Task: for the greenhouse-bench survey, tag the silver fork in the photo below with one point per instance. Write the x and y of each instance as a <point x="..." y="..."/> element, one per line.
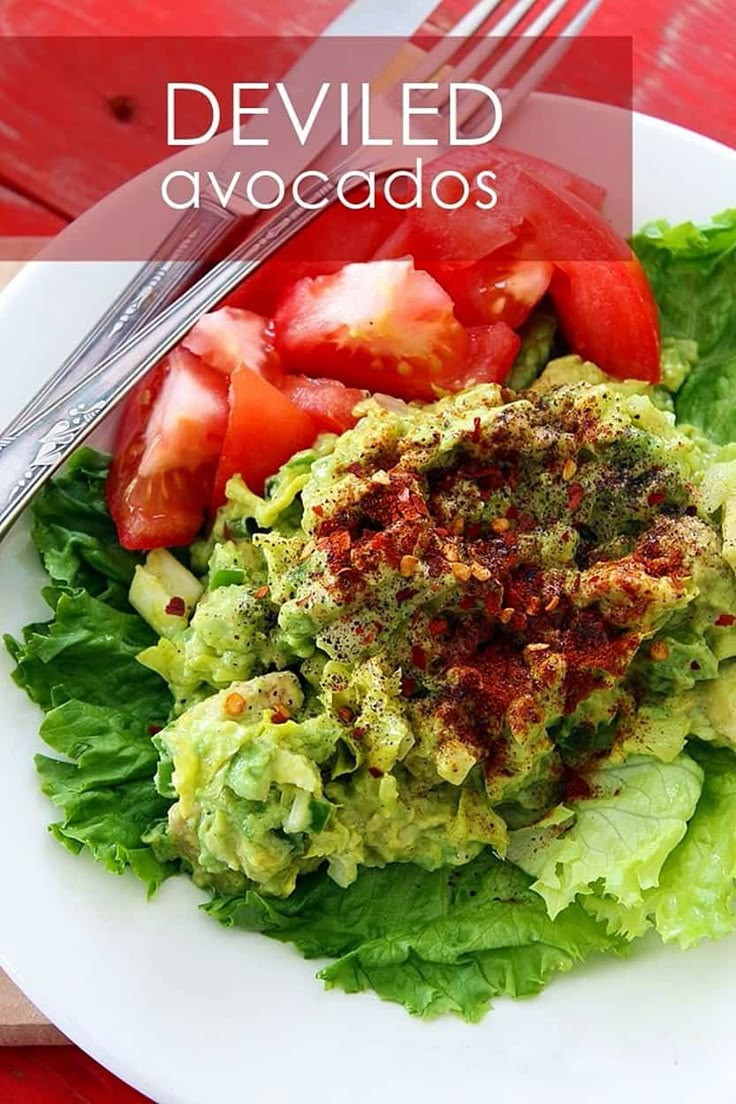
<point x="47" y="435"/>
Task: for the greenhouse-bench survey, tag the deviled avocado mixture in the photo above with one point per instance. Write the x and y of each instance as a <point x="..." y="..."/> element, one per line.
<point x="433" y="628"/>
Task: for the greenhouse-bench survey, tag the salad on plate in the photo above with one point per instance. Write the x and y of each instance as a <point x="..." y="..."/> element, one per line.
<point x="403" y="617"/>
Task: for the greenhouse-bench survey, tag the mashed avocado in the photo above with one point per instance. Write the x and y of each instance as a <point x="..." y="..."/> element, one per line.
<point x="433" y="627"/>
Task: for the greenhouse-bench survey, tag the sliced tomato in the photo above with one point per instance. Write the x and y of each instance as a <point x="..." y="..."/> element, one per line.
<point x="166" y="453"/>
<point x="496" y="289"/>
<point x="229" y="337"/>
<point x="492" y="351"/>
<point x="549" y="220"/>
<point x="554" y="175"/>
<point x="608" y="314"/>
<point x="264" y="429"/>
<point x="382" y="325"/>
<point x="464" y="235"/>
<point x="335" y="238"/>
<point x="328" y="402"/>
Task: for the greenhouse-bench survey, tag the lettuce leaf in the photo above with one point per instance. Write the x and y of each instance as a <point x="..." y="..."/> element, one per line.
<point x="621" y="834"/>
<point x="75" y="535"/>
<point x="81" y="668"/>
<point x="434" y="941"/>
<point x="692" y="270"/>
<point x="696" y="896"/>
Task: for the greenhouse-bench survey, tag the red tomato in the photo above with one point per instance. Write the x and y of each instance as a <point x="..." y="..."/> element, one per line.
<point x="166" y="453"/>
<point x="430" y="233"/>
<point x="264" y="429"/>
<point x="608" y="314"/>
<point x="492" y="351"/>
<point x="550" y="222"/>
<point x="497" y="289"/>
<point x="336" y="237"/>
<point x="228" y="337"/>
<point x="381" y="325"/>
<point x="554" y="175"/>
<point x="328" y="402"/>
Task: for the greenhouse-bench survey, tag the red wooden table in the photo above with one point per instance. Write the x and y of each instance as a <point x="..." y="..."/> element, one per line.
<point x="684" y="71"/>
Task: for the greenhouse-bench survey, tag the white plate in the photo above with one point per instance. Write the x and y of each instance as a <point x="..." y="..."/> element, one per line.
<point x="190" y="1013"/>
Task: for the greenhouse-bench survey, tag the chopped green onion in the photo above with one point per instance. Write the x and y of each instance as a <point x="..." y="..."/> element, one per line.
<point x="226" y="576"/>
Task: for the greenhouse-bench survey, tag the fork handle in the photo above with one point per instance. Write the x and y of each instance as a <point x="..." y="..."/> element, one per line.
<point x="158" y="283"/>
<point x="31" y="453"/>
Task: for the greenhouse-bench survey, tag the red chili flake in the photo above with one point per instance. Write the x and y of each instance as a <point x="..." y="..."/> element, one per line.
<point x="467" y="602"/>
<point x="526" y="523"/>
<point x="176" y="606"/>
<point x="341" y="541"/>
<point x="656" y="498"/>
<point x="575" y="495"/>
<point x="358" y="733"/>
<point x="441" y="531"/>
<point x="408" y="686"/>
<point x="418" y="657"/>
<point x="512" y="513"/>
<point x="519" y="621"/>
<point x="261" y="592"/>
<point x="153" y="730"/>
<point x="404" y="595"/>
<point x="375" y="772"/>
<point x="493" y="603"/>
<point x="280" y="716"/>
<point x="476" y="431"/>
<point x="725" y="619"/>
<point x="346" y="714"/>
<point x="318" y="511"/>
<point x="437" y="626"/>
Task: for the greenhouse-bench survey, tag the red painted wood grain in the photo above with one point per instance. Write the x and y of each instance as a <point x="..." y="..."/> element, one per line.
<point x="59" y="1075"/>
<point x="683" y="50"/>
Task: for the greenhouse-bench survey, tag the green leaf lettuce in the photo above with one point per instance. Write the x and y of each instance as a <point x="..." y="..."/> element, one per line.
<point x="692" y="270"/>
<point x="443" y="941"/>
<point x="81" y="668"/>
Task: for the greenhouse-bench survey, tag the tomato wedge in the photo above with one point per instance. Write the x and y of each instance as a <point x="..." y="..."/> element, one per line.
<point x="608" y="314"/>
<point x="549" y="220"/>
<point x="228" y="337"/>
<point x="166" y="453"/>
<point x="382" y="325"/>
<point x="552" y="174"/>
<point x="328" y="402"/>
<point x="497" y="289"/>
<point x="492" y="351"/>
<point x="336" y="237"/>
<point x="264" y="429"/>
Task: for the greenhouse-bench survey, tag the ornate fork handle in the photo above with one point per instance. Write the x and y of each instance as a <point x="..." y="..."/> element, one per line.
<point x="33" y="450"/>
<point x="157" y="284"/>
